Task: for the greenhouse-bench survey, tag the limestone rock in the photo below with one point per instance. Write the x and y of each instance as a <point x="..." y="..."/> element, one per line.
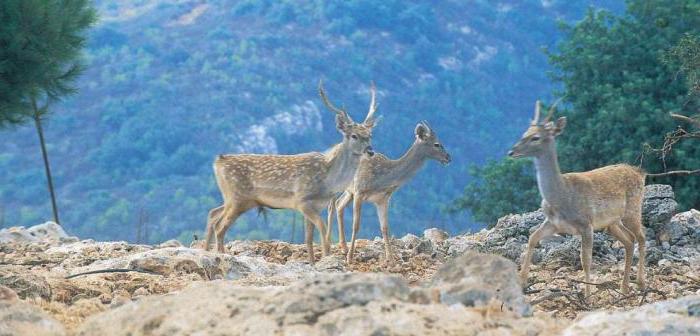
<point x="208" y="265"/>
<point x="435" y="235"/>
<point x="331" y="304"/>
<point x="658" y="191"/>
<point x="409" y="241"/>
<point x="477" y="279"/>
<point x="567" y="251"/>
<point x="684" y="228"/>
<point x="25" y="284"/>
<point x="48" y="232"/>
<point x="658" y="206"/>
<point x="20" y="318"/>
<point x="170" y="243"/>
<point x="674" y="317"/>
<point x="331" y="263"/>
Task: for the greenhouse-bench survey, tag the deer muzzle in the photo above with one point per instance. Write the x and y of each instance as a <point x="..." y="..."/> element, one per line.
<point x="369" y="151"/>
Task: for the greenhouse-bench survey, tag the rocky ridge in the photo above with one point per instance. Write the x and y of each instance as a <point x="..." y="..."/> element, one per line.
<point x="441" y="285"/>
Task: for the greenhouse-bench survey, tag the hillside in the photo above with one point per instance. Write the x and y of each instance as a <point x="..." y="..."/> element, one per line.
<point x="171" y="84"/>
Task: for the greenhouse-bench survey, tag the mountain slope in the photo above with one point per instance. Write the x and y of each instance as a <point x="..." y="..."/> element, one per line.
<point x="171" y="84"/>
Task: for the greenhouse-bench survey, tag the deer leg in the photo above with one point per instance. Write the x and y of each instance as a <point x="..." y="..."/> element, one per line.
<point x="587" y="256"/>
<point x="356" y="214"/>
<point x="228" y="217"/>
<point x="315" y="218"/>
<point x="309" y="232"/>
<point x="545" y="230"/>
<point x="627" y="240"/>
<point x="383" y="213"/>
<point x="340" y="206"/>
<point x="329" y="229"/>
<point x="213" y="219"/>
<point x="642" y="240"/>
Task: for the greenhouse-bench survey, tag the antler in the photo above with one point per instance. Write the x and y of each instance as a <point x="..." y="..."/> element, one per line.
<point x="538" y="106"/>
<point x="329" y="105"/>
<point x="372" y="102"/>
<point x="551" y="110"/>
<point x="425" y="123"/>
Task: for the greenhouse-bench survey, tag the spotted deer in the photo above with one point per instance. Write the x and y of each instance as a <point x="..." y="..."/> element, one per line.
<point x="304" y="182"/>
<point x="376" y="180"/>
<point x="607" y="198"/>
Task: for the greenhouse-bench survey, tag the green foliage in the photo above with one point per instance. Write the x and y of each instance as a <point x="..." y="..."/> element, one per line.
<point x="39" y="60"/>
<point x="685" y="56"/>
<point x="620" y="92"/>
<point x="492" y="196"/>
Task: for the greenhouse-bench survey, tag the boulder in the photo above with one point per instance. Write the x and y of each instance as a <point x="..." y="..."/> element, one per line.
<point x="218" y="306"/>
<point x="409" y="241"/>
<point x="48" y="232"/>
<point x="457" y="245"/>
<point x="400" y="318"/>
<point x="330" y="304"/>
<point x="331" y="263"/>
<point x="20" y="318"/>
<point x="305" y="301"/>
<point x="658" y="206"/>
<point x="476" y="279"/>
<point x="435" y="235"/>
<point x="684" y="228"/>
<point x="674" y="317"/>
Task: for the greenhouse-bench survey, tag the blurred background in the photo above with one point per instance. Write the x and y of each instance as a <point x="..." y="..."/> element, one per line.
<point x="171" y="84"/>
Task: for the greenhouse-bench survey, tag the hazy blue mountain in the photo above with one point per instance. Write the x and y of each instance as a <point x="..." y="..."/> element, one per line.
<point x="171" y="84"/>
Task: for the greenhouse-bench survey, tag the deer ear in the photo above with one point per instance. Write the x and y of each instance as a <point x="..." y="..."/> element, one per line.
<point x="342" y="124"/>
<point x="421" y="132"/>
<point x="559" y="126"/>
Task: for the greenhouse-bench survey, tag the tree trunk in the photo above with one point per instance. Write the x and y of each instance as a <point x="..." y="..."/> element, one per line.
<point x="40" y="131"/>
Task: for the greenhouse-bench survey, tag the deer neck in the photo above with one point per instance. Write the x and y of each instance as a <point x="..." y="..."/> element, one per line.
<point x="408" y="165"/>
<point x="342" y="166"/>
<point x="549" y="179"/>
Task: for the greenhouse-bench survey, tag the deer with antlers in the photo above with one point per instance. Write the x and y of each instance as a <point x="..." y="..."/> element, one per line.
<point x="607" y="198"/>
<point x="304" y="182"/>
<point x="376" y="180"/>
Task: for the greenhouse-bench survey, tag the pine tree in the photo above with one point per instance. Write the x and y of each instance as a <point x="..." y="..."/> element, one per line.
<point x="40" y="48"/>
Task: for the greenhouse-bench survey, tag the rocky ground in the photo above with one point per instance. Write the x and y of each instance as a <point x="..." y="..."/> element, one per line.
<point x="461" y="285"/>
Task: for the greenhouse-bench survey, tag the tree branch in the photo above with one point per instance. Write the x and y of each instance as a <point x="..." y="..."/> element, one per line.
<point x="686" y="119"/>
<point x="677" y="172"/>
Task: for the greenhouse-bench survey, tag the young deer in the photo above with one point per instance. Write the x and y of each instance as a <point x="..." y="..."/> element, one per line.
<point x="304" y="182"/>
<point x="376" y="180"/>
<point x="607" y="198"/>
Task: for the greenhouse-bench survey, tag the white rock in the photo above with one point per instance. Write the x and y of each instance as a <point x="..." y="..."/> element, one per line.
<point x="674" y="317"/>
<point x="435" y="235"/>
<point x="48" y="232"/>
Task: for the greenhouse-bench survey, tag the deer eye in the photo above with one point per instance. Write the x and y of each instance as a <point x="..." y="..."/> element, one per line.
<point x="354" y="136"/>
<point x="437" y="144"/>
<point x="535" y="138"/>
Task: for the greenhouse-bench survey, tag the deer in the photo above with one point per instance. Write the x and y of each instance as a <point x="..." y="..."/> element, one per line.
<point x="303" y="182"/>
<point x="376" y="180"/>
<point x="607" y="198"/>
